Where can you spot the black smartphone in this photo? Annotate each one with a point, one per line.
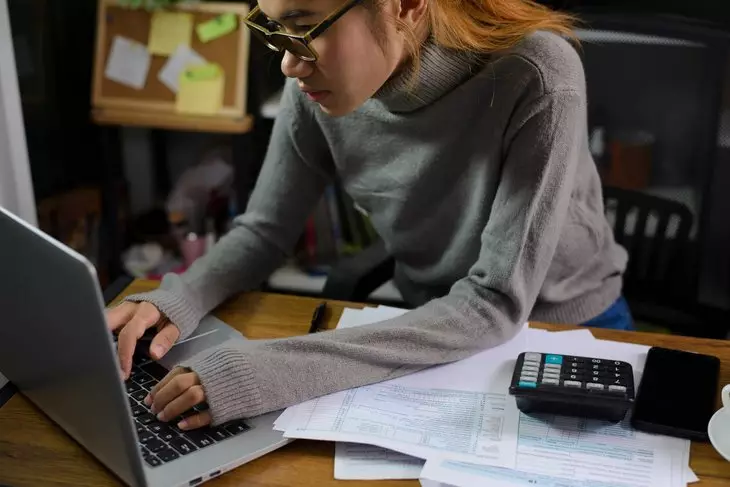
(677, 393)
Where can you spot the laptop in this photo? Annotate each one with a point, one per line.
(56, 348)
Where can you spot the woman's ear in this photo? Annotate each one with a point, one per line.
(412, 12)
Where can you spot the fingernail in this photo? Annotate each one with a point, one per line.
(158, 350)
(161, 416)
(153, 409)
(148, 400)
(182, 424)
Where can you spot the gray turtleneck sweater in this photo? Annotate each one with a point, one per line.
(480, 183)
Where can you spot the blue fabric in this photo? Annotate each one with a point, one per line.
(616, 317)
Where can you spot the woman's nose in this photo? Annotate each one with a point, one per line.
(293, 67)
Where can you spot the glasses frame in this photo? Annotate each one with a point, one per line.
(304, 39)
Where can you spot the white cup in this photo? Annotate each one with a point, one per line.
(725, 394)
(719, 427)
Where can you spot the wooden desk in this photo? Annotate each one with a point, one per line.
(34, 451)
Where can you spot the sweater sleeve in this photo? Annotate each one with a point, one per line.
(482, 310)
(293, 177)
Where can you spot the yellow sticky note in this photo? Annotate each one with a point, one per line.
(218, 27)
(201, 90)
(169, 30)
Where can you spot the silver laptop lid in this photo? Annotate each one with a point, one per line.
(55, 346)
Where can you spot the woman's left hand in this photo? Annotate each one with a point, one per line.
(177, 393)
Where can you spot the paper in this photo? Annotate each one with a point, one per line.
(128, 63)
(366, 462)
(3, 381)
(446, 410)
(168, 31)
(182, 58)
(218, 27)
(571, 452)
(201, 90)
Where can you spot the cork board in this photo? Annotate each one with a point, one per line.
(230, 52)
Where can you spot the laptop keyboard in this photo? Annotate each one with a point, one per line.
(164, 442)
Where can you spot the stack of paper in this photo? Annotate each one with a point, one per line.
(457, 425)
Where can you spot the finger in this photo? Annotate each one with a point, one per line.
(176, 387)
(196, 421)
(145, 316)
(164, 340)
(165, 380)
(185, 401)
(120, 315)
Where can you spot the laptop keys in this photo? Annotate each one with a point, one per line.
(166, 434)
(155, 370)
(145, 436)
(182, 446)
(138, 410)
(236, 427)
(146, 419)
(218, 434)
(132, 386)
(167, 455)
(199, 438)
(139, 395)
(152, 460)
(154, 445)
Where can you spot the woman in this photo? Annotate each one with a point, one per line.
(461, 128)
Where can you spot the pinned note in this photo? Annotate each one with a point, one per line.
(128, 63)
(201, 90)
(218, 27)
(183, 57)
(169, 30)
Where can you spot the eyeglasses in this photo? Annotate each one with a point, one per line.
(298, 45)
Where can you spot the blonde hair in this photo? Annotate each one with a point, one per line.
(484, 26)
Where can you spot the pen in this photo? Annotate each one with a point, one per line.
(317, 317)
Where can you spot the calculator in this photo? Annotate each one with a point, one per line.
(572, 386)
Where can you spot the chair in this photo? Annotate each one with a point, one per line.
(656, 234)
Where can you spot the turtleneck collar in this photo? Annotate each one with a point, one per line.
(441, 70)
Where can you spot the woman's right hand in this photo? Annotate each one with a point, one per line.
(132, 320)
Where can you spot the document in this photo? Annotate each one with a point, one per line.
(3, 381)
(128, 63)
(169, 30)
(558, 451)
(447, 411)
(366, 462)
(218, 27)
(201, 90)
(183, 57)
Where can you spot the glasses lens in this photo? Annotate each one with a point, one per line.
(293, 45)
(265, 39)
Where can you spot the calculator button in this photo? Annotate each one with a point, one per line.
(551, 376)
(553, 359)
(527, 384)
(615, 388)
(618, 382)
(572, 383)
(529, 374)
(555, 367)
(572, 377)
(579, 360)
(597, 380)
(548, 380)
(578, 365)
(595, 385)
(528, 379)
(530, 368)
(533, 357)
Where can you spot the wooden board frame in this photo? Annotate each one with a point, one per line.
(158, 113)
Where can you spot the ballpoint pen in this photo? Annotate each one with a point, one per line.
(318, 317)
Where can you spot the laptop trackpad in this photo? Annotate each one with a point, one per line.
(211, 334)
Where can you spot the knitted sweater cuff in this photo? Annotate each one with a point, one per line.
(230, 386)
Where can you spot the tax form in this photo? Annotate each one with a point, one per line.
(449, 411)
(559, 451)
(367, 462)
